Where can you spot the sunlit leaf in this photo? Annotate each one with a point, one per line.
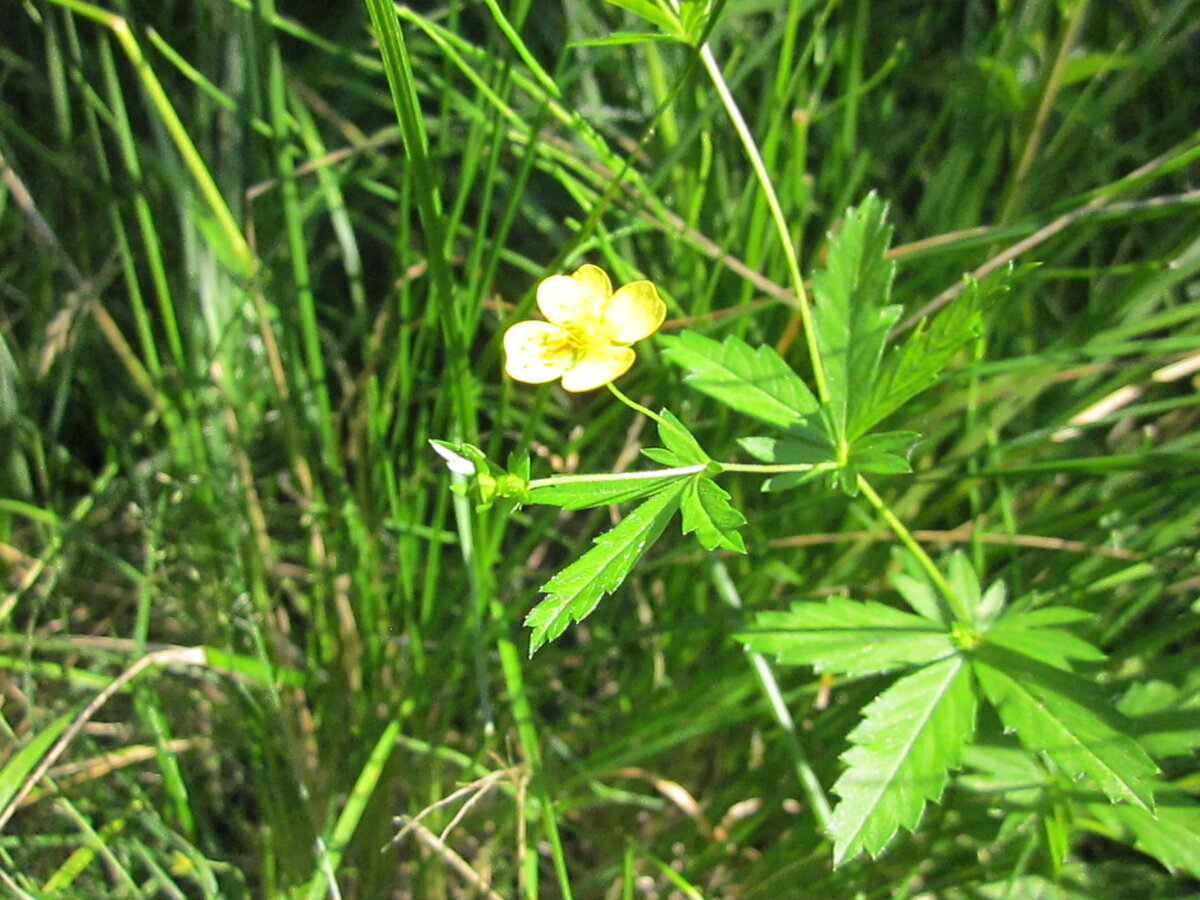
(574, 592)
(753, 381)
(707, 512)
(910, 738)
(852, 315)
(1066, 719)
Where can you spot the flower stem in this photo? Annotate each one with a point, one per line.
(635, 406)
(764, 180)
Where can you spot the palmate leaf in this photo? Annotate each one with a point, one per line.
(914, 366)
(573, 593)
(753, 381)
(912, 735)
(1066, 719)
(852, 316)
(847, 637)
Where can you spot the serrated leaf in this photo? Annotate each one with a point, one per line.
(571, 494)
(707, 511)
(916, 365)
(1171, 834)
(573, 593)
(852, 316)
(1066, 719)
(847, 637)
(910, 738)
(753, 381)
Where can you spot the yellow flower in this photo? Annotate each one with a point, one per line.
(586, 340)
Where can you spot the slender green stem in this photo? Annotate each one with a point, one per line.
(778, 468)
(635, 406)
(906, 537)
(614, 476)
(764, 180)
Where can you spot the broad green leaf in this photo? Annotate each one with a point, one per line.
(707, 511)
(756, 382)
(1025, 633)
(847, 637)
(911, 736)
(573, 593)
(571, 494)
(914, 366)
(1171, 834)
(852, 316)
(1066, 719)
(803, 446)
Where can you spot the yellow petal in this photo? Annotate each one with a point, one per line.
(536, 352)
(600, 366)
(563, 300)
(595, 282)
(634, 312)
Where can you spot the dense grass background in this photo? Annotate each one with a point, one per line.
(238, 297)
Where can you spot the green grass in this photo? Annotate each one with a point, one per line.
(253, 256)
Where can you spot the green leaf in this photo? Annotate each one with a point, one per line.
(847, 637)
(911, 736)
(756, 382)
(802, 446)
(1066, 719)
(913, 367)
(879, 463)
(19, 766)
(680, 441)
(620, 38)
(1165, 719)
(573, 593)
(1025, 633)
(852, 316)
(651, 12)
(571, 494)
(707, 511)
(1171, 834)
